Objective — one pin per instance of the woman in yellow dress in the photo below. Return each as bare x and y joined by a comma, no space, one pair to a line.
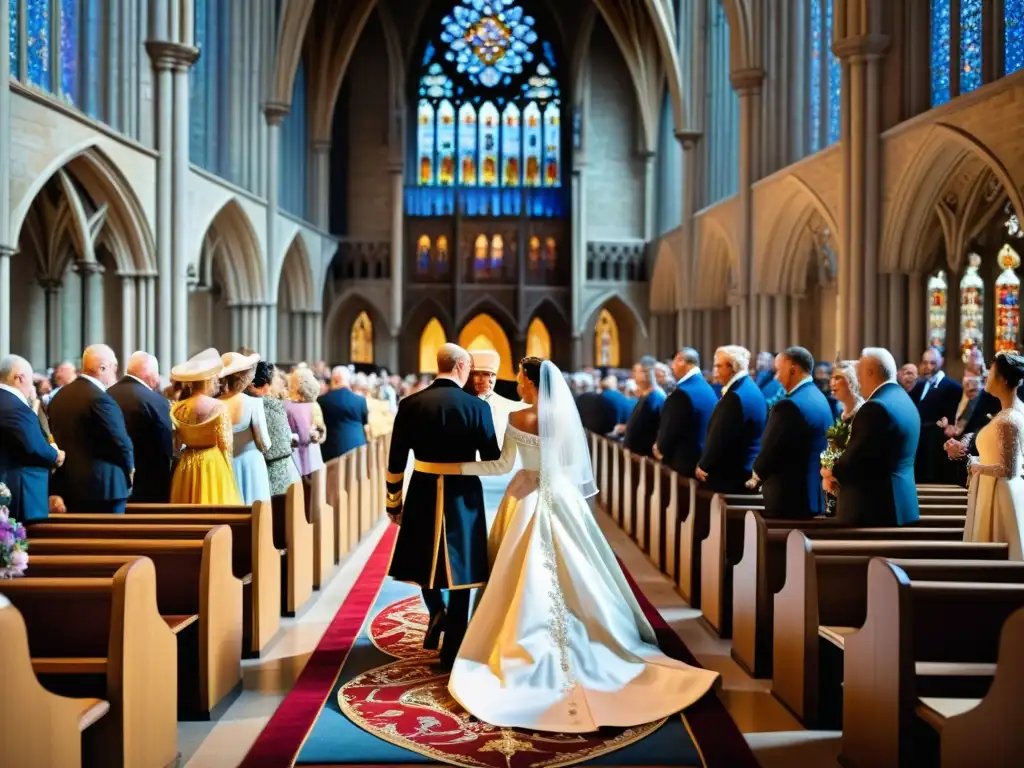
202,430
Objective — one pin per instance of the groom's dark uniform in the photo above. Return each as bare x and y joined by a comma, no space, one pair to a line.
442,542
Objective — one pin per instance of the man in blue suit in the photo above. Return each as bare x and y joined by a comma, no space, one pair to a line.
734,432
642,427
875,475
788,467
765,377
89,425
346,415
620,405
26,457
685,415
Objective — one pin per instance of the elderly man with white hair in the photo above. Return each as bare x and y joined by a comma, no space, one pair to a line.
734,430
346,416
87,423
874,478
147,417
26,457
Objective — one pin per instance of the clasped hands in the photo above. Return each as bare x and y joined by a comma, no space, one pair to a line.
828,481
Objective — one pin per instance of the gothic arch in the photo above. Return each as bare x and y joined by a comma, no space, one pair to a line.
344,310
483,331
912,210
627,321
718,265
291,34
744,34
558,327
623,309
488,306
295,277
231,240
413,324
666,278
123,226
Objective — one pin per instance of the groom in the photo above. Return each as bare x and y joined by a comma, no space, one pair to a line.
442,542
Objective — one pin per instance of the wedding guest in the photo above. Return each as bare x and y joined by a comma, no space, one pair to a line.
250,438
86,422
684,417
596,414
62,375
26,457
875,475
202,434
346,416
765,377
270,388
907,377
306,420
936,397
736,425
663,375
147,418
846,389
621,406
823,381
641,431
788,465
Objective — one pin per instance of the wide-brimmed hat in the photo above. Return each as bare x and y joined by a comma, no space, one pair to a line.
486,360
206,365
236,363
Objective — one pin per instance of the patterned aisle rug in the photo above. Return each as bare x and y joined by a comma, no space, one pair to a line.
407,704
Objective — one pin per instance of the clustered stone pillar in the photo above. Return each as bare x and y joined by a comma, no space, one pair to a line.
397,260
685,329
747,83
90,273
579,255
7,246
128,315
320,183
275,114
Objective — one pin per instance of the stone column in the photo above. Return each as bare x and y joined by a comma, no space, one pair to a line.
897,315
764,324
706,350
309,338
151,313
127,315
916,334
689,257
794,319
141,314
8,243
320,183
275,114
92,305
318,338
6,253
51,289
650,192
747,83
398,248
780,325
578,274
860,178
236,325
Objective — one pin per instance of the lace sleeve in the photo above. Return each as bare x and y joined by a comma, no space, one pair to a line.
500,466
1009,433
225,437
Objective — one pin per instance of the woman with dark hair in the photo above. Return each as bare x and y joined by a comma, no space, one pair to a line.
280,466
559,642
995,505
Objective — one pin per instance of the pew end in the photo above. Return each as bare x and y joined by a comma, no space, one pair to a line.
293,537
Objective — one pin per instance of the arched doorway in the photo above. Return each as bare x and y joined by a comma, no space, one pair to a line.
295,305
538,340
484,332
431,340
361,340
606,340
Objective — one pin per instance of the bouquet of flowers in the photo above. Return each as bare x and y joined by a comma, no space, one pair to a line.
838,435
13,542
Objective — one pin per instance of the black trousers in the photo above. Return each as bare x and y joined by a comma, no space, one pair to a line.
456,619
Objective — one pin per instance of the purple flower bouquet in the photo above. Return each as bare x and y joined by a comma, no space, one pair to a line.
13,541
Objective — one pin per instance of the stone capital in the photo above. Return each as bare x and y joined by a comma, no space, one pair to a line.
7,251
747,81
861,47
175,56
276,112
689,138
88,268
320,146
50,284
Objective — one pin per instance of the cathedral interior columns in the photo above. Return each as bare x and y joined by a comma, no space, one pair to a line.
916,332
128,317
579,254
747,83
689,256
275,114
397,247
52,307
320,184
89,273
7,247
794,317
897,307
781,324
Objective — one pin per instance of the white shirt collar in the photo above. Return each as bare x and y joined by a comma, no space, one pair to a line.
95,381
689,375
733,380
16,392
801,383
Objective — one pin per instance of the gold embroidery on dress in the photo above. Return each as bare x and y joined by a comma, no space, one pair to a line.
558,624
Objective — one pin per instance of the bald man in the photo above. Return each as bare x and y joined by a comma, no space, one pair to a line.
88,425
147,417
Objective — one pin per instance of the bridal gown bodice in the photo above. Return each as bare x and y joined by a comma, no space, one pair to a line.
558,642
995,508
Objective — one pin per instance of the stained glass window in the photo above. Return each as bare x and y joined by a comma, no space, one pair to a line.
937,291
940,51
425,141
825,79
37,19
970,45
1013,35
497,252
1008,301
817,57
423,253
69,36
488,40
552,145
534,253
512,147
550,252
532,135
972,308
446,143
361,341
93,50
198,93
480,253
13,47
489,124
467,144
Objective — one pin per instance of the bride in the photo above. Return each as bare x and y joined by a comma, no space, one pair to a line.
558,642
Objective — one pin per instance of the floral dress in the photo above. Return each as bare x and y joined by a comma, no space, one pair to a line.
280,466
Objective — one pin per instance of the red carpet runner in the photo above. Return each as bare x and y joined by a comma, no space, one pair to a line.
410,689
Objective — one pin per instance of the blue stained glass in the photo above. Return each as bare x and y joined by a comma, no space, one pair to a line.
197,144
38,42
69,50
815,75
93,45
1013,39
488,41
970,45
835,82
13,48
940,51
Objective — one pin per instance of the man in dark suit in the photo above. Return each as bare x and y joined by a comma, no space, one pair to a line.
789,462
765,377
346,415
937,397
874,477
621,406
26,457
685,415
734,432
441,546
596,413
642,428
86,422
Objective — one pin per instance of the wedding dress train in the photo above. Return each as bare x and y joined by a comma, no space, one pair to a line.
558,641
995,502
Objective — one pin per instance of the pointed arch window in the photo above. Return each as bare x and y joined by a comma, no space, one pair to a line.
538,340
957,45
361,348
481,253
423,254
432,339
938,291
972,308
606,340
825,78
1013,36
497,252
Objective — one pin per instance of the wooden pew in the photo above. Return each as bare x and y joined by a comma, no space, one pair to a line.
255,560
45,727
293,538
352,489
998,715
633,485
195,589
760,572
660,499
101,639
337,499
924,638
320,516
645,502
826,585
605,472
362,465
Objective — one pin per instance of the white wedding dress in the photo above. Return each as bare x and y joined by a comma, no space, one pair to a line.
995,503
558,642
